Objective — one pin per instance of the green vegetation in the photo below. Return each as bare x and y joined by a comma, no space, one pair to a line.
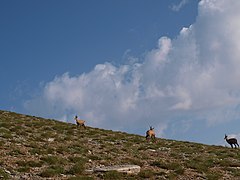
3,174
52,171
145,174
38,148
113,175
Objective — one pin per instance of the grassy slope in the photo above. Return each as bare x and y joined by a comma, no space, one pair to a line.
36,148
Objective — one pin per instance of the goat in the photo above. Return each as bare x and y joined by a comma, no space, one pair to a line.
80,122
150,133
231,141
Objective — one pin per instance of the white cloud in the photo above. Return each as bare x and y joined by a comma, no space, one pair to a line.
178,7
196,74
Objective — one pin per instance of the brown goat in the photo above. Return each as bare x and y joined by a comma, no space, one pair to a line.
80,122
231,141
150,134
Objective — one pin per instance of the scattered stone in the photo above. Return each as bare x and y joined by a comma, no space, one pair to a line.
24,177
51,139
152,150
63,175
164,149
7,171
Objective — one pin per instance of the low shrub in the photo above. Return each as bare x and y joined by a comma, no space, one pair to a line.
113,175
52,171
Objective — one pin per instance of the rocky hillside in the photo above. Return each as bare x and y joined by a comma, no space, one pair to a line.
37,148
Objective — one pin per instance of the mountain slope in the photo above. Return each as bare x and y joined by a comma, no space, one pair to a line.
37,148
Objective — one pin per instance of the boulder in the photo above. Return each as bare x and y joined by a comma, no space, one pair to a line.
129,169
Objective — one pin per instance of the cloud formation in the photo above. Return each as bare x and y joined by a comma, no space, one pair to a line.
194,77
178,7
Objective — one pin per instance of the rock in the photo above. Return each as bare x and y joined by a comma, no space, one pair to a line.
152,150
51,139
164,149
129,169
7,171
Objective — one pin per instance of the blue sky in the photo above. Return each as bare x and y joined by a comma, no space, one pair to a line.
125,65
42,39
